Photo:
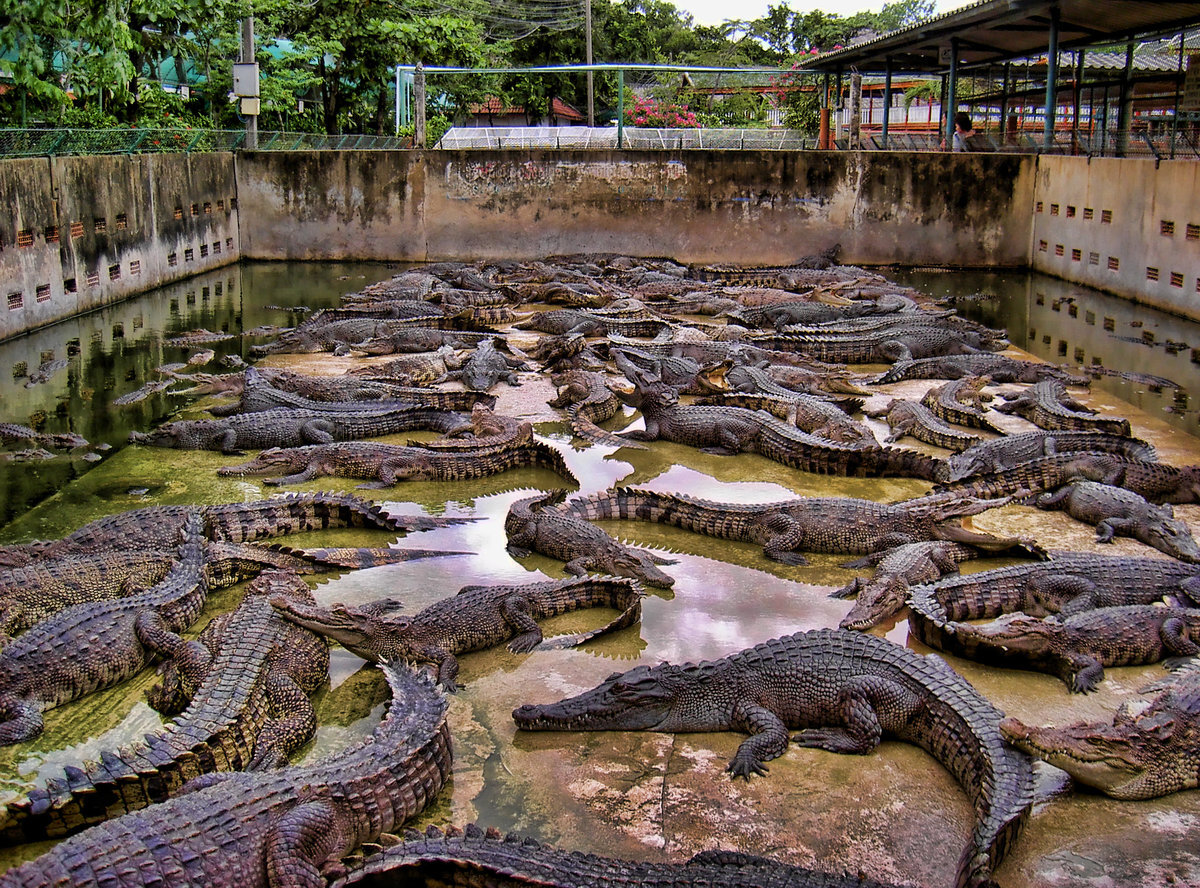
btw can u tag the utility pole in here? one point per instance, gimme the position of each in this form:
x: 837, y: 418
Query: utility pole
x: 419, y: 106
x: 248, y: 59
x: 591, y: 89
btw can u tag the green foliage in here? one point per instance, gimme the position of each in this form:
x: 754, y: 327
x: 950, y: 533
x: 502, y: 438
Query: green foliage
x: 930, y: 89
x: 435, y: 127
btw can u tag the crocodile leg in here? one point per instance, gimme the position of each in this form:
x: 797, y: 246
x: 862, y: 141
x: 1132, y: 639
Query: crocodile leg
x: 292, y: 723
x: 1082, y: 673
x: 180, y: 677
x: 860, y: 704
x: 1048, y: 588
x: 301, y: 839
x: 309, y: 472
x: 1175, y: 638
x: 191, y: 658
x: 515, y: 610
x: 768, y: 739
x: 317, y: 431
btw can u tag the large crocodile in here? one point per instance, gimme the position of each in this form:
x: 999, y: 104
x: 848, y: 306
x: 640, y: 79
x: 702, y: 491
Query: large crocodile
x: 474, y: 856
x: 736, y: 429
x: 258, y: 394
x: 478, y: 617
x: 384, y: 465
x: 284, y: 427
x: 1047, y: 404
x: 488, y: 429
x: 157, y: 527
x: 1068, y: 583
x: 1146, y: 751
x: 1115, y: 510
x: 905, y: 417
x: 844, y: 691
x: 1076, y: 648
x: 485, y: 367
x: 245, y: 684
x: 787, y: 528
x: 588, y: 400
x: 897, y: 570
x: 1037, y: 475
x: 261, y: 829
x: 90, y: 646
x: 534, y: 524
x: 1001, y: 368
x: 816, y: 416
x: 999, y: 454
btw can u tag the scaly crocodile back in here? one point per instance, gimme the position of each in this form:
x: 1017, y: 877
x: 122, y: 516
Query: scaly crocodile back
x: 228, y: 831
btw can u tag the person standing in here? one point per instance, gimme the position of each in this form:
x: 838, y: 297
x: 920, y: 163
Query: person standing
x: 963, y: 130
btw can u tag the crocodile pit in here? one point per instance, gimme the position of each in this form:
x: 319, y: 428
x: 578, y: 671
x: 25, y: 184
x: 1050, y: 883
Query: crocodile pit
x: 894, y: 814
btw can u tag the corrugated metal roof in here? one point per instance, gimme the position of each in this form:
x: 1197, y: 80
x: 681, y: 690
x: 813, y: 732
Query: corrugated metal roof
x: 1000, y: 30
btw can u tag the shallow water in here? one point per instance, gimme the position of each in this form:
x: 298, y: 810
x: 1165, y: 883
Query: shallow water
x: 895, y: 814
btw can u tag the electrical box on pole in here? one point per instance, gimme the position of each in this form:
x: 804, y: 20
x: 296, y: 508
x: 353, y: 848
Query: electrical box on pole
x: 245, y: 80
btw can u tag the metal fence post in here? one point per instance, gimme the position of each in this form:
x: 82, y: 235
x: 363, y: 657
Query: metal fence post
x: 621, y: 108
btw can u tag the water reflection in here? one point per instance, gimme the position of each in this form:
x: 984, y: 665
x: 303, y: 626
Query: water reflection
x: 114, y: 350
x: 896, y: 815
x: 1068, y: 323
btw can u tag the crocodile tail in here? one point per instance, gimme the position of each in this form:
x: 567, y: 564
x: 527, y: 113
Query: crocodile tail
x: 586, y: 428
x: 353, y: 558
x: 896, y: 461
x: 244, y: 522
x: 546, y: 457
x: 623, y: 594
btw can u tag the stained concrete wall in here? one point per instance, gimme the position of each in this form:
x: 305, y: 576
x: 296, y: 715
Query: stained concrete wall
x: 1129, y: 227
x: 746, y: 207
x: 81, y: 232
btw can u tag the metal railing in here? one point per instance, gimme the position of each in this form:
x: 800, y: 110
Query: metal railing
x: 156, y: 140
x: 637, y: 138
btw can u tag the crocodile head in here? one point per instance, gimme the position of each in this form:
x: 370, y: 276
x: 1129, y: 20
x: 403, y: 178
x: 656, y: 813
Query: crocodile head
x: 1014, y: 632
x: 711, y: 377
x: 1163, y: 531
x: 878, y: 600
x: 648, y: 698
x: 184, y: 434
x: 1134, y: 757
x: 371, y: 631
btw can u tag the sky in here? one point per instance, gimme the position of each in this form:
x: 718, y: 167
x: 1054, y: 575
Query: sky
x: 713, y: 12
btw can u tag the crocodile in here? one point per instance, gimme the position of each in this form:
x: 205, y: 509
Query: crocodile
x: 415, y: 368
x: 534, y: 524
x: 1068, y: 583
x: 321, y: 336
x: 279, y: 827
x: 241, y: 691
x: 485, y: 367
x: 347, y: 387
x: 291, y: 428
x: 384, y: 465
x: 1001, y: 368
x: 1048, y: 405
x: 1076, y: 648
x: 588, y: 401
x: 90, y: 646
x: 155, y: 528
x: 197, y: 337
x: 844, y: 691
x: 812, y: 524
x: 1145, y: 752
x: 412, y: 340
x: 905, y: 417
x: 45, y: 372
x: 259, y: 395
x: 474, y: 856
x: 898, y: 569
x: 1157, y: 482
x: 686, y: 375
x: 999, y: 454
x: 961, y: 401
x: 488, y: 430
x: 732, y: 430
x: 896, y: 342
x: 12, y: 433
x: 815, y: 416
x: 1115, y: 510
x: 1037, y: 475
x: 782, y: 314
x: 591, y: 323
x: 478, y: 617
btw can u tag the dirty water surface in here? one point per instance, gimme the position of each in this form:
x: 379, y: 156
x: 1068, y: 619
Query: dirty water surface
x: 895, y: 814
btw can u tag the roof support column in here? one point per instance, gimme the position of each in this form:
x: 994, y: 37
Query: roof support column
x: 1124, y: 104
x: 1004, y: 90
x: 887, y: 102
x: 1051, y: 80
x: 952, y: 94
x: 1081, y: 55
x: 1178, y: 87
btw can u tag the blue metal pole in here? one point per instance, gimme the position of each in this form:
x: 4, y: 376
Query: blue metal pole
x: 887, y: 102
x: 952, y: 94
x: 621, y: 108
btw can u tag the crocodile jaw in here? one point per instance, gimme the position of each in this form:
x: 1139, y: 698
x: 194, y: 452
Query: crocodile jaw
x: 355, y: 632
x: 633, y: 701
x: 1117, y: 760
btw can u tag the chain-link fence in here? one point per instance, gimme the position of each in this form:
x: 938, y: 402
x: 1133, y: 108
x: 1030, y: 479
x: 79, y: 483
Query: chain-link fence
x: 497, y: 137
x: 154, y: 140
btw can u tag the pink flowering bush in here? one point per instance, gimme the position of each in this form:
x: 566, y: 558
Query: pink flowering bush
x: 650, y: 112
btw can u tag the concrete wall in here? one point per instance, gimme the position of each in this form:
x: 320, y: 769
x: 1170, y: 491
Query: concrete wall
x: 746, y: 207
x: 1125, y: 226
x: 80, y: 232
